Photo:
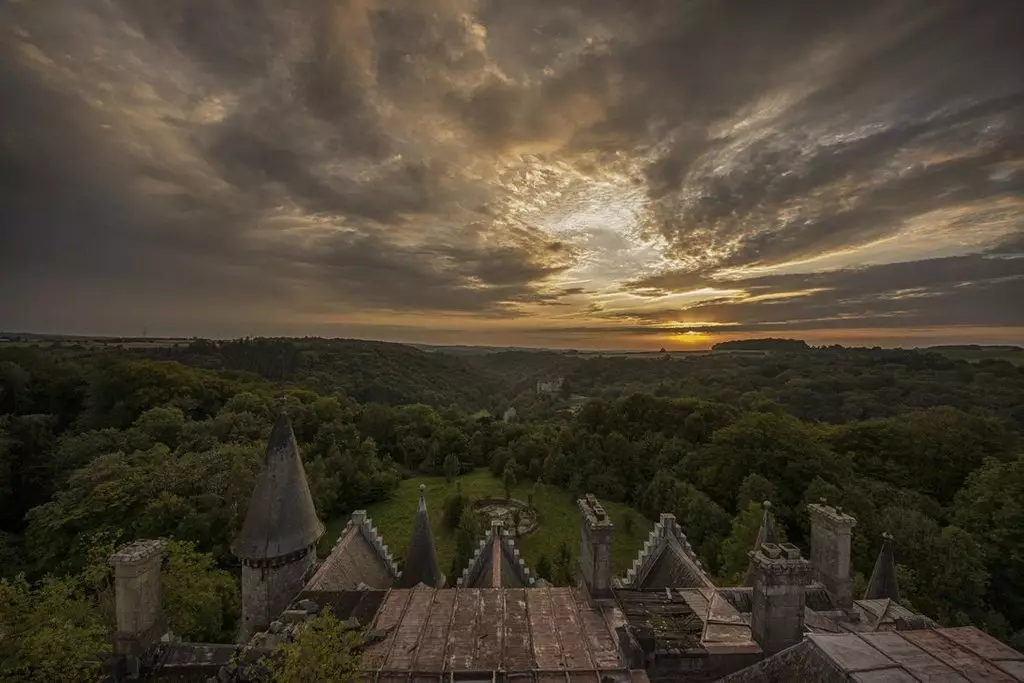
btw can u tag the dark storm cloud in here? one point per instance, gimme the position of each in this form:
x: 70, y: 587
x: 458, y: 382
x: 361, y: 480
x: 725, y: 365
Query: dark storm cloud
x: 339, y: 156
x: 964, y: 290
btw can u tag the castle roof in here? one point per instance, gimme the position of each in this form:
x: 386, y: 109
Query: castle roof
x: 933, y: 654
x: 421, y: 559
x: 358, y: 557
x: 496, y: 563
x: 281, y: 518
x: 883, y: 582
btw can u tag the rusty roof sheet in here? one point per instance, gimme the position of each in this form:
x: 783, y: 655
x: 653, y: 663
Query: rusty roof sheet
x: 536, y: 632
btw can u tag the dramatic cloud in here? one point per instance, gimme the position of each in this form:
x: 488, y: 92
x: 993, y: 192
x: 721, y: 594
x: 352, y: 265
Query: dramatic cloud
x: 591, y: 172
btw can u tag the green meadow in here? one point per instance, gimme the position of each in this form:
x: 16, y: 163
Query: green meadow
x: 558, y: 516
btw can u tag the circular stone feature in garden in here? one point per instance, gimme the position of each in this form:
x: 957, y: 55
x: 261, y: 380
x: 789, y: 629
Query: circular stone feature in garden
x: 507, y: 511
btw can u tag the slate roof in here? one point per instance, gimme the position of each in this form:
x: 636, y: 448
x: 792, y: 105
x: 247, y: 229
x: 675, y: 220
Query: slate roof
x: 945, y: 654
x: 883, y: 583
x: 281, y: 518
x: 496, y: 563
x: 358, y: 557
x: 421, y: 559
x: 666, y: 560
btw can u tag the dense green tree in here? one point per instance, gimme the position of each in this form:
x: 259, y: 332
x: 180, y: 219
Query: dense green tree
x: 202, y: 602
x: 51, y: 632
x: 544, y: 569
x: 452, y: 467
x: 754, y: 489
x: 991, y: 507
x: 508, y: 478
x: 322, y: 650
x: 734, y: 559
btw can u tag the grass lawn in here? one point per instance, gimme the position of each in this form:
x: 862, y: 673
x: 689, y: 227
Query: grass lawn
x: 559, y: 520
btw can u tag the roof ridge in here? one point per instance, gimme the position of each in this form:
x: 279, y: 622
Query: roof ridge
x: 421, y: 559
x: 508, y: 547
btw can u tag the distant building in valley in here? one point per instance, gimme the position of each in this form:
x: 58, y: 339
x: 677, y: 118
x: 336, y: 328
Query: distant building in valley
x: 552, y: 386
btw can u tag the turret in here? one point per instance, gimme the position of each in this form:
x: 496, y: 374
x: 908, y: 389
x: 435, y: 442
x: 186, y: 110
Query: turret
x: 137, y: 601
x: 595, y: 548
x: 421, y: 559
x: 831, y: 530
x: 781, y: 575
x: 883, y: 582
x: 277, y: 545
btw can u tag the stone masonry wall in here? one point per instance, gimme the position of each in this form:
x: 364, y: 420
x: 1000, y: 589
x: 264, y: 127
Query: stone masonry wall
x: 267, y: 591
x: 831, y: 532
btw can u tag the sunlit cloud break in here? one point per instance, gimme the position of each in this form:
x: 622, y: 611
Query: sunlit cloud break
x: 609, y: 174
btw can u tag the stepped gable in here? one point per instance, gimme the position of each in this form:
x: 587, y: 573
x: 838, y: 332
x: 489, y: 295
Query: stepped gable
x: 765, y: 534
x: 281, y: 519
x: 359, y: 556
x: 883, y: 583
x: 496, y: 563
x: 421, y: 560
x: 666, y: 560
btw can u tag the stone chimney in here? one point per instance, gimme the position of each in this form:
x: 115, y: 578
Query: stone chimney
x: 140, y: 619
x: 781, y: 574
x: 831, y: 529
x: 595, y: 548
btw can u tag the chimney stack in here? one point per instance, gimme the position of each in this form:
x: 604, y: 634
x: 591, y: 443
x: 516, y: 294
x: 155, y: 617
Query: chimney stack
x: 140, y: 619
x: 831, y: 529
x: 781, y: 574
x: 595, y: 558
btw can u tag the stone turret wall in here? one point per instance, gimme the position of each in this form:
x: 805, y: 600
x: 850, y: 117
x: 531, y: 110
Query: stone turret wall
x: 595, y: 558
x: 777, y: 619
x: 269, y: 587
x: 831, y: 531
x: 138, y: 607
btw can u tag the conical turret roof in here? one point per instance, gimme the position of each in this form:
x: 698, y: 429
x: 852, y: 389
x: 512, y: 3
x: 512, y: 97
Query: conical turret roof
x: 883, y: 582
x: 421, y: 560
x: 281, y: 518
x: 765, y: 534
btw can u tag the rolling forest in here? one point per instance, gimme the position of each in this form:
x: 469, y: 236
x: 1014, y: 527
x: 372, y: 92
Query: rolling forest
x: 99, y: 446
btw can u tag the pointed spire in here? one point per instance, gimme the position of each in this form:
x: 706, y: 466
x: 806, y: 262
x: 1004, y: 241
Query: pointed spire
x: 883, y: 582
x: 765, y: 534
x: 421, y: 560
x: 281, y: 518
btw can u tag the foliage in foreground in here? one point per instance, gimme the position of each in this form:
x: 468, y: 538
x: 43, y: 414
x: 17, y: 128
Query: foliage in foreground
x: 321, y: 650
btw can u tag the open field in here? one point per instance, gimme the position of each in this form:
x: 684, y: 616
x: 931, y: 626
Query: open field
x: 559, y: 520
x: 973, y: 354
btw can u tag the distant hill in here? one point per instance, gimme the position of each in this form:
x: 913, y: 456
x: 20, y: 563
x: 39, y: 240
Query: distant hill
x: 769, y: 344
x: 368, y: 371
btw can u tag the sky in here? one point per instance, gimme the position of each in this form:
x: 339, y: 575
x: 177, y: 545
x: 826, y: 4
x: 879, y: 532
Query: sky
x: 562, y: 173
